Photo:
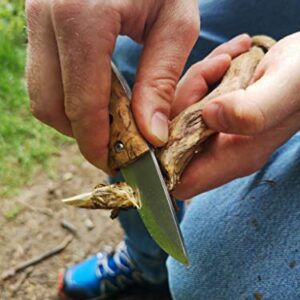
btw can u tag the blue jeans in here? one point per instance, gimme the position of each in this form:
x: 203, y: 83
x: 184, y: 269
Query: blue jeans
x: 247, y: 236
x: 243, y: 238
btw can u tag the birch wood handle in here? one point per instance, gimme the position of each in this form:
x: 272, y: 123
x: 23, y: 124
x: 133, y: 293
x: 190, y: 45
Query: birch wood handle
x: 126, y: 143
x: 188, y: 130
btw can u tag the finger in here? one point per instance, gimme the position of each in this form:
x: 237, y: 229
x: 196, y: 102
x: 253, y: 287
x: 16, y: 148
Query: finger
x: 233, y: 47
x: 261, y: 106
x: 43, y: 69
x: 167, y: 47
x: 194, y: 85
x: 227, y: 157
x: 85, y: 54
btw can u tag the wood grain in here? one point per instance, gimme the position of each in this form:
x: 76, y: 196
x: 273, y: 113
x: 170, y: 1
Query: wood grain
x: 126, y: 143
x: 188, y: 130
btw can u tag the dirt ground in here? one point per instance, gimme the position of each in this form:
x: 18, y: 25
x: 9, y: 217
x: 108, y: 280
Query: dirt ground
x: 31, y: 225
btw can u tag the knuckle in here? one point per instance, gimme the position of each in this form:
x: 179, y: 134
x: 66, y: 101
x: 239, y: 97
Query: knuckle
x: 39, y: 113
x: 73, y: 108
x: 33, y: 11
x: 32, y: 7
x: 249, y: 117
x: 195, y: 71
x: 34, y: 92
x: 188, y: 24
x: 75, y: 95
x: 84, y: 25
x: 64, y: 10
x: 164, y: 87
x: 193, y: 27
x: 160, y: 83
x: 255, y: 122
x: 77, y: 109
x: 243, y: 118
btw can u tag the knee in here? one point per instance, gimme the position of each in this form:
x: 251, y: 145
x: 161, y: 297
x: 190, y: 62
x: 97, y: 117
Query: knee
x: 177, y: 276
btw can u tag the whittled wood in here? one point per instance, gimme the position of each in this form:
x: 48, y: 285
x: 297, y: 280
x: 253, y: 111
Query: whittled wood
x: 188, y: 130
x: 116, y: 197
x: 119, y: 195
x: 126, y: 143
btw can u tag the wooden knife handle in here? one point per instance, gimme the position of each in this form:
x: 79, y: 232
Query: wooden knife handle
x: 126, y: 143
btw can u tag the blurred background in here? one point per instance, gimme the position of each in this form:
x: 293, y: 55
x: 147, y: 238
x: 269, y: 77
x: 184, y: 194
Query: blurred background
x: 39, y: 167
x: 25, y: 143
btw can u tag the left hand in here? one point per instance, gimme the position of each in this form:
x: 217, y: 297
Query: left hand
x: 252, y: 123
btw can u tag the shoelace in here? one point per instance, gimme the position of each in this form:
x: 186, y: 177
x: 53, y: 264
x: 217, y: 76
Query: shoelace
x: 120, y: 257
x: 119, y: 280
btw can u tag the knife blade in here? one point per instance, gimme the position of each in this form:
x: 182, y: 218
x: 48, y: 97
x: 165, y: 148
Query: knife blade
x: 136, y: 159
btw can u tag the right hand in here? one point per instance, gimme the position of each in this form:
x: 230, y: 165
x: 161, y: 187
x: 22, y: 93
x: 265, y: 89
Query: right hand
x: 70, y: 44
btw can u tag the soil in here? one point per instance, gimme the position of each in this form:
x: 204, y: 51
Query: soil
x: 31, y: 225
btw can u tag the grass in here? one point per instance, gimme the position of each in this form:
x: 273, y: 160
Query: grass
x: 25, y: 143
x: 11, y: 214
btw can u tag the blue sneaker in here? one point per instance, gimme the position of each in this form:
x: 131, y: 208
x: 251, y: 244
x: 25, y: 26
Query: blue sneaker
x: 104, y: 275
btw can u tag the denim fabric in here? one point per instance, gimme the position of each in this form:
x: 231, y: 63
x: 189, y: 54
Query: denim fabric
x: 243, y: 238
x: 245, y: 245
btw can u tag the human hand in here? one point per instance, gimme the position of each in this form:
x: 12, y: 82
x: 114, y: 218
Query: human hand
x: 252, y: 123
x: 70, y: 44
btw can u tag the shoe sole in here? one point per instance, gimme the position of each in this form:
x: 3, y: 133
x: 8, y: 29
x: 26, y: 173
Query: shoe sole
x: 60, y: 286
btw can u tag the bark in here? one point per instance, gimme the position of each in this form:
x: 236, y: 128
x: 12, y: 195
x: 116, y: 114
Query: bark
x: 188, y: 130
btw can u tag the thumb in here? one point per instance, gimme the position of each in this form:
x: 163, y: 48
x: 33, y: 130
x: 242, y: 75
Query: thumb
x: 166, y: 49
x: 260, y: 107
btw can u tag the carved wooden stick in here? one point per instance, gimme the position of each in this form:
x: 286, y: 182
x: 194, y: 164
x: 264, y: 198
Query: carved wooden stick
x: 188, y: 131
x: 115, y: 196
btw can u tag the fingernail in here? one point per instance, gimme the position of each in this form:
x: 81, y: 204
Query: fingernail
x: 159, y: 126
x: 216, y: 110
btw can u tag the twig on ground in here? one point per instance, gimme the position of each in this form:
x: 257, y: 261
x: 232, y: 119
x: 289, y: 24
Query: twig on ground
x: 21, y: 280
x: 68, y: 226
x: 23, y: 265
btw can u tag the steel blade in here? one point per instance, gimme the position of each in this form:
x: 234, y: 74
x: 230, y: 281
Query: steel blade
x: 157, y: 211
